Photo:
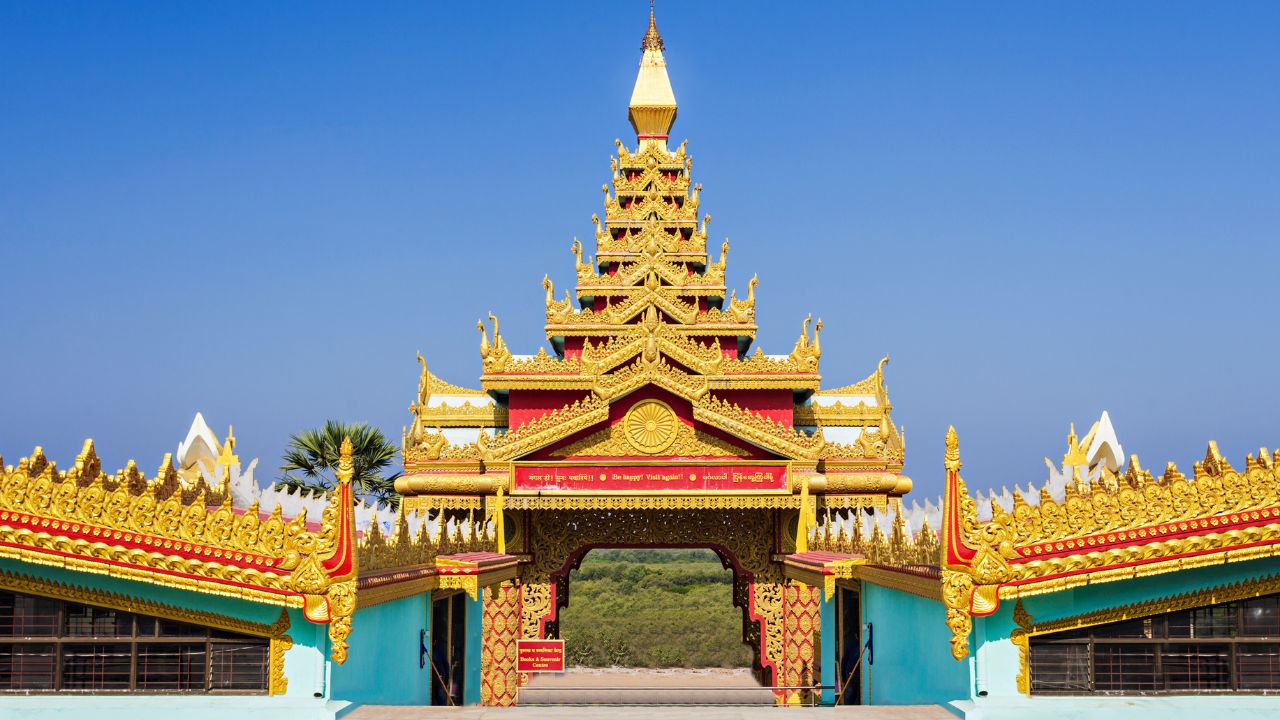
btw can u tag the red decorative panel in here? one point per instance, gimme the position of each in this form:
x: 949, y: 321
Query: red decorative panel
x: 744, y: 477
x: 573, y: 347
x: 729, y: 347
x: 777, y: 405
x: 800, y: 608
x: 501, y: 627
x: 526, y: 405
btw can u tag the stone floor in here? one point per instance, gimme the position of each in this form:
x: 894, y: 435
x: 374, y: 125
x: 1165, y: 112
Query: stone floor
x: 666, y: 712
x: 629, y: 686
x: 619, y: 694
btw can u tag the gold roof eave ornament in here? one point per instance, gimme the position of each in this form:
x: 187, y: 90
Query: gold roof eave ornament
x: 164, y: 532
x: 652, y: 110
x: 1102, y: 530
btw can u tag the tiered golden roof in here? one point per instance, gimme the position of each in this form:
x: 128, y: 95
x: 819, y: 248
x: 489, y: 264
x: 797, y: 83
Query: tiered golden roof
x: 651, y: 308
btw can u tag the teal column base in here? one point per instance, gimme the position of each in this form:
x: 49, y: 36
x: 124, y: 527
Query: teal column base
x: 827, y: 642
x: 475, y: 616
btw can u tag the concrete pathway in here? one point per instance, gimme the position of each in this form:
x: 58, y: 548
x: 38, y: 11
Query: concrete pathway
x: 622, y: 694
x: 629, y: 686
x: 666, y: 712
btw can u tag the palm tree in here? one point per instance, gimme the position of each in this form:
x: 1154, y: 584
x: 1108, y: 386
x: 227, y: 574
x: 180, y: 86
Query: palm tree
x: 314, y: 454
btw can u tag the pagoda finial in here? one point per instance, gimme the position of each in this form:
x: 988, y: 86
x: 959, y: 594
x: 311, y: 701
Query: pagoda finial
x: 653, y: 104
x: 652, y: 38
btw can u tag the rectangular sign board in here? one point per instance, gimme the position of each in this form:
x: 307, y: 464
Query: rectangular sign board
x: 539, y: 656
x: 744, y: 477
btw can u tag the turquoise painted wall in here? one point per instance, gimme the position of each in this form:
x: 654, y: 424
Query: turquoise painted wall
x: 382, y: 662
x: 827, y: 648
x: 475, y: 615
x: 996, y: 659
x: 912, y: 663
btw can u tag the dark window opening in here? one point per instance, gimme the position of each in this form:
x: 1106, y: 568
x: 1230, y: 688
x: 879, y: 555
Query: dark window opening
x: 1228, y: 647
x: 55, y: 646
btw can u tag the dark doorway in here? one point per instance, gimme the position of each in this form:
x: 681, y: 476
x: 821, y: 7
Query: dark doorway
x: 849, y: 657
x: 448, y: 649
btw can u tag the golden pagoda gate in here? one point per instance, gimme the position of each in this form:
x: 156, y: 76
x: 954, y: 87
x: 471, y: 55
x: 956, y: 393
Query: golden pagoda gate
x: 649, y: 424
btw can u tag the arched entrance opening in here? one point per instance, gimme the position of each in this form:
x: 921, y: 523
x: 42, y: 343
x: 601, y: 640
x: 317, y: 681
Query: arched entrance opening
x: 653, y: 608
x: 653, y: 625
x: 779, y: 620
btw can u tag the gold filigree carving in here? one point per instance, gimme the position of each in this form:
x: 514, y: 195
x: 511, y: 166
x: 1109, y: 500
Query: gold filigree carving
x: 1114, y: 528
x: 277, y: 682
x: 535, y: 606
x: 403, y: 550
x: 1020, y: 640
x: 650, y: 426
x: 742, y: 310
x: 806, y: 352
x: 1129, y: 522
x: 423, y: 503
x: 760, y: 364
x: 493, y: 356
x: 542, y: 363
x: 957, y: 588
x: 500, y: 627
x: 951, y: 459
x: 873, y: 384
x: 342, y: 607
x: 537, y: 433
x: 45, y: 587
x: 1231, y: 592
x: 900, y: 548
x: 154, y: 531
x: 438, y: 386
x: 688, y: 442
x: 465, y: 415
x: 839, y: 414
x: 757, y: 429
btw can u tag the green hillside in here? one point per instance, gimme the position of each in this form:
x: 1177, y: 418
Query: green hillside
x: 653, y: 608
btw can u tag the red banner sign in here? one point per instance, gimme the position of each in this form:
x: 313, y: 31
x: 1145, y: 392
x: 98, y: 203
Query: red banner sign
x: 539, y: 656
x: 650, y: 478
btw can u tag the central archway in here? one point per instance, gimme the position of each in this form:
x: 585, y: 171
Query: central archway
x: 739, y: 596
x: 650, y: 626
x: 779, y: 620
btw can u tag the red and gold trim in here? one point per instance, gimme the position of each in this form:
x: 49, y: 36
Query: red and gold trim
x: 1115, y: 528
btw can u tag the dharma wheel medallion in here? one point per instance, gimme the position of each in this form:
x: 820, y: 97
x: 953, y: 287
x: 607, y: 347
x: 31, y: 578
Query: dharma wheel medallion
x: 650, y: 426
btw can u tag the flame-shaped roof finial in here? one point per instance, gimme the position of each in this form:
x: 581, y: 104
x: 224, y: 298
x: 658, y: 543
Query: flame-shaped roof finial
x: 652, y: 38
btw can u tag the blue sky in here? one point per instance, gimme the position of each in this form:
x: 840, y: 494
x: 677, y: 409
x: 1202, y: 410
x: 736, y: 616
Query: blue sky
x: 262, y: 211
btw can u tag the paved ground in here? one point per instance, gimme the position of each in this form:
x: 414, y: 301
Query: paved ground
x: 667, y: 712
x: 614, y: 695
x: 616, y: 686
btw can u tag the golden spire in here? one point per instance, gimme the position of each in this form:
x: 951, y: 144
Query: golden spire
x: 653, y: 104
x: 652, y: 38
x: 226, y: 456
x: 1075, y: 449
